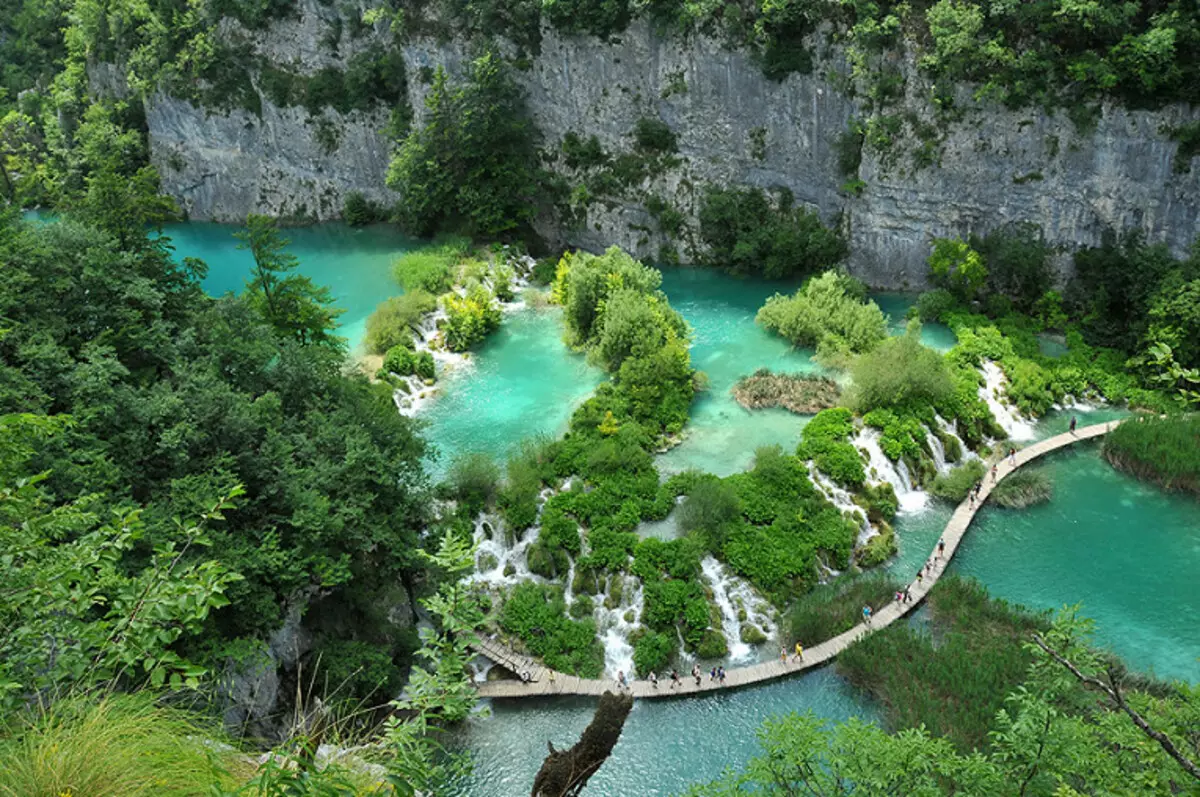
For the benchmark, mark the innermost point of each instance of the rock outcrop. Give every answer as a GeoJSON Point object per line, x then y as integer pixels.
{"type": "Point", "coordinates": [735, 127]}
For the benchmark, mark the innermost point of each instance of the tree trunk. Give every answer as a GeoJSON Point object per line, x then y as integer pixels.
{"type": "Point", "coordinates": [564, 773]}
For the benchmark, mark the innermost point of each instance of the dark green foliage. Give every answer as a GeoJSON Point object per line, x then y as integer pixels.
{"type": "Point", "coordinates": [1018, 263]}
{"type": "Point", "coordinates": [780, 32]}
{"type": "Point", "coordinates": [880, 502]}
{"type": "Point", "coordinates": [176, 397]}
{"type": "Point", "coordinates": [677, 603]}
{"type": "Point", "coordinates": [601, 18]}
{"type": "Point", "coordinates": [955, 687]}
{"type": "Point", "coordinates": [652, 135]}
{"type": "Point", "coordinates": [472, 166]}
{"type": "Point", "coordinates": [955, 485]}
{"type": "Point", "coordinates": [825, 442]}
{"type": "Point", "coordinates": [400, 359]}
{"type": "Point", "coordinates": [849, 150]}
{"type": "Point", "coordinates": [899, 372]}
{"type": "Point", "coordinates": [518, 498]}
{"type": "Point", "coordinates": [350, 671]}
{"type": "Point", "coordinates": [583, 154]}
{"type": "Point", "coordinates": [934, 305]}
{"type": "Point", "coordinates": [1188, 136]}
{"type": "Point", "coordinates": [359, 211]}
{"type": "Point", "coordinates": [711, 508]}
{"type": "Point", "coordinates": [473, 481]}
{"type": "Point", "coordinates": [652, 651]}
{"type": "Point", "coordinates": [537, 615]}
{"type": "Point", "coordinates": [1162, 450]}
{"type": "Point", "coordinates": [748, 234]}
{"type": "Point", "coordinates": [835, 607]}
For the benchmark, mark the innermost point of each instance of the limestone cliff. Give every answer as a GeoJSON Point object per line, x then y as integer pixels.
{"type": "Point", "coordinates": [734, 127]}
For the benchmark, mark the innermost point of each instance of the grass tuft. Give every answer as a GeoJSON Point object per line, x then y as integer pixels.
{"type": "Point", "coordinates": [1024, 488]}
{"type": "Point", "coordinates": [835, 607]}
{"type": "Point", "coordinates": [1162, 450]}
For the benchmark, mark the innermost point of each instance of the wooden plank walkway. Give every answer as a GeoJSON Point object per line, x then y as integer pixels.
{"type": "Point", "coordinates": [544, 682]}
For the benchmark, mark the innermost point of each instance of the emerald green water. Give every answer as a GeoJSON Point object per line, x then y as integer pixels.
{"type": "Point", "coordinates": [1125, 550]}
{"type": "Point", "coordinates": [354, 263]}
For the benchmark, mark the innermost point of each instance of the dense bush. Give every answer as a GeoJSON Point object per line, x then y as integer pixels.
{"type": "Point", "coordinates": [470, 318]}
{"type": "Point", "coordinates": [934, 305]}
{"type": "Point", "coordinates": [537, 615]}
{"type": "Point", "coordinates": [825, 441]}
{"type": "Point", "coordinates": [429, 269]}
{"type": "Point", "coordinates": [747, 233]}
{"type": "Point", "coordinates": [598, 17]}
{"type": "Point", "coordinates": [352, 672]}
{"type": "Point", "coordinates": [473, 164]}
{"type": "Point", "coordinates": [652, 651]}
{"type": "Point", "coordinates": [828, 313]}
{"type": "Point", "coordinates": [359, 211]}
{"type": "Point", "coordinates": [473, 481]}
{"type": "Point", "coordinates": [957, 268]}
{"type": "Point", "coordinates": [899, 372]}
{"type": "Point", "coordinates": [1163, 450]}
{"type": "Point", "coordinates": [394, 319]}
{"type": "Point", "coordinates": [1018, 263]}
{"type": "Point", "coordinates": [955, 485]}
{"type": "Point", "coordinates": [711, 507]}
{"type": "Point", "coordinates": [653, 135]}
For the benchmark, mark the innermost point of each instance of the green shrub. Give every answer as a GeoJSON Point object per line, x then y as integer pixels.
{"type": "Point", "coordinates": [582, 607]}
{"type": "Point", "coordinates": [956, 267]}
{"type": "Point", "coordinates": [473, 480]}
{"type": "Point", "coordinates": [423, 366]}
{"type": "Point", "coordinates": [427, 269]}
{"type": "Point", "coordinates": [653, 135]}
{"type": "Point", "coordinates": [359, 211]}
{"type": "Point", "coordinates": [880, 502]}
{"type": "Point", "coordinates": [1163, 450]}
{"type": "Point", "coordinates": [400, 360]}
{"type": "Point", "coordinates": [1023, 489]}
{"type": "Point", "coordinates": [899, 372]}
{"type": "Point", "coordinates": [829, 313]}
{"type": "Point", "coordinates": [824, 442]}
{"type": "Point", "coordinates": [746, 233]}
{"type": "Point", "coordinates": [394, 319]}
{"type": "Point", "coordinates": [652, 651]}
{"type": "Point", "coordinates": [955, 485]}
{"type": "Point", "coordinates": [536, 614]}
{"type": "Point", "coordinates": [470, 318]}
{"type": "Point", "coordinates": [713, 645]}
{"type": "Point", "coordinates": [835, 607]}
{"type": "Point", "coordinates": [353, 671]}
{"type": "Point", "coordinates": [1018, 263]}
{"type": "Point", "coordinates": [935, 305]}
{"type": "Point", "coordinates": [878, 548]}
{"type": "Point", "coordinates": [601, 18]}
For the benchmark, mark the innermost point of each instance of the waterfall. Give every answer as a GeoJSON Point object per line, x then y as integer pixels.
{"type": "Point", "coordinates": [950, 429]}
{"type": "Point", "coordinates": [992, 392]}
{"type": "Point", "coordinates": [493, 554]}
{"type": "Point", "coordinates": [880, 468]}
{"type": "Point", "coordinates": [614, 629]}
{"type": "Point", "coordinates": [842, 500]}
{"type": "Point", "coordinates": [728, 592]}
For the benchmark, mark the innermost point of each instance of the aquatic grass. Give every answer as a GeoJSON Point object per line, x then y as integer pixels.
{"type": "Point", "coordinates": [954, 679]}
{"type": "Point", "coordinates": [1165, 451]}
{"type": "Point", "coordinates": [1024, 488]}
{"type": "Point", "coordinates": [803, 394]}
{"type": "Point", "coordinates": [835, 607]}
{"type": "Point", "coordinates": [112, 746]}
{"type": "Point", "coordinates": [428, 269]}
{"type": "Point", "coordinates": [955, 485]}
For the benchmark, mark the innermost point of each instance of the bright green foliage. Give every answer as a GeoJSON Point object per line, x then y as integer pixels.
{"type": "Point", "coordinates": [536, 614]}
{"type": "Point", "coordinates": [677, 603]}
{"type": "Point", "coordinates": [74, 615]}
{"type": "Point", "coordinates": [955, 485]}
{"type": "Point", "coordinates": [652, 651]}
{"type": "Point", "coordinates": [958, 268]}
{"type": "Point", "coordinates": [880, 502]}
{"type": "Point", "coordinates": [829, 313]}
{"type": "Point", "coordinates": [112, 746]}
{"type": "Point", "coordinates": [428, 269]}
{"type": "Point", "coordinates": [899, 372]}
{"type": "Point", "coordinates": [472, 166]}
{"type": "Point", "coordinates": [934, 305]}
{"type": "Point", "coordinates": [1163, 450]}
{"type": "Point", "coordinates": [394, 319]}
{"type": "Point", "coordinates": [748, 234]}
{"type": "Point", "coordinates": [290, 303]}
{"type": "Point", "coordinates": [584, 282]}
{"type": "Point", "coordinates": [1174, 317]}
{"type": "Point", "coordinates": [825, 441]}
{"type": "Point", "coordinates": [636, 324]}
{"type": "Point", "coordinates": [518, 497]}
{"type": "Point", "coordinates": [835, 607]}
{"type": "Point", "coordinates": [470, 318]}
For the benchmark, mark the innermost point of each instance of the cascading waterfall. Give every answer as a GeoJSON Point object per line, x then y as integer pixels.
{"type": "Point", "coordinates": [614, 629]}
{"type": "Point", "coordinates": [728, 592]}
{"type": "Point", "coordinates": [880, 468]}
{"type": "Point", "coordinates": [491, 546]}
{"type": "Point", "coordinates": [1008, 417]}
{"type": "Point", "coordinates": [938, 450]}
{"type": "Point", "coordinates": [842, 500]}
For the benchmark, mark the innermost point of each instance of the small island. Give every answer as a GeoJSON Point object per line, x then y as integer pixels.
{"type": "Point", "coordinates": [803, 394]}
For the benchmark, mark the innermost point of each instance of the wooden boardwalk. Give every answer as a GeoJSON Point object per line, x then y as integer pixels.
{"type": "Point", "coordinates": [544, 682]}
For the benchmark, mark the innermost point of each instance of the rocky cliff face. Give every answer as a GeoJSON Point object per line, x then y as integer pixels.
{"type": "Point", "coordinates": [734, 128]}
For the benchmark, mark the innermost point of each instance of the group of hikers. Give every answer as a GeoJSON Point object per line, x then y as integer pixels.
{"type": "Point", "coordinates": [715, 675]}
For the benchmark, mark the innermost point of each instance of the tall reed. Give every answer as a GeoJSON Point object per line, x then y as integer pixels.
{"type": "Point", "coordinates": [1162, 450]}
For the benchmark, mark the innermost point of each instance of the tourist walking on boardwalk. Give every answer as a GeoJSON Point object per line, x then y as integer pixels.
{"type": "Point", "coordinates": [920, 576]}
{"type": "Point", "coordinates": [993, 473]}
{"type": "Point", "coordinates": [712, 674]}
{"type": "Point", "coordinates": [1072, 424]}
{"type": "Point", "coordinates": [621, 679]}
{"type": "Point", "coordinates": [696, 673]}
{"type": "Point", "coordinates": [783, 655]}
{"type": "Point", "coordinates": [799, 651]}
{"type": "Point", "coordinates": [674, 678]}
{"type": "Point", "coordinates": [653, 679]}
{"type": "Point", "coordinates": [721, 675]}
{"type": "Point", "coordinates": [1012, 456]}
{"type": "Point", "coordinates": [907, 597]}
{"type": "Point", "coordinates": [867, 615]}
{"type": "Point", "coordinates": [941, 547]}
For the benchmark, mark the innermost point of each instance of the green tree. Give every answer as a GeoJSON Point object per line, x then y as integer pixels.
{"type": "Point", "coordinates": [472, 165]}
{"type": "Point", "coordinates": [958, 268]}
{"type": "Point", "coordinates": [899, 372]}
{"type": "Point", "coordinates": [291, 303]}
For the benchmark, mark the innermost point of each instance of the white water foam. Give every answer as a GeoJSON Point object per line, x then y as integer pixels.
{"type": "Point", "coordinates": [614, 629]}
{"type": "Point", "coordinates": [882, 469]}
{"type": "Point", "coordinates": [992, 392]}
{"type": "Point", "coordinates": [728, 591]}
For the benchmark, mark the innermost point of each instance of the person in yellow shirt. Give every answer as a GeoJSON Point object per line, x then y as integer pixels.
{"type": "Point", "coordinates": [799, 651]}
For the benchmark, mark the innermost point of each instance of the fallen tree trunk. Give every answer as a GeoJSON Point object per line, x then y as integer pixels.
{"type": "Point", "coordinates": [564, 773]}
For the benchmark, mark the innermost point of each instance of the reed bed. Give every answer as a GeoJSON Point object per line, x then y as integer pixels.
{"type": "Point", "coordinates": [1024, 488]}
{"type": "Point", "coordinates": [835, 607]}
{"type": "Point", "coordinates": [1162, 450]}
{"type": "Point", "coordinates": [802, 394]}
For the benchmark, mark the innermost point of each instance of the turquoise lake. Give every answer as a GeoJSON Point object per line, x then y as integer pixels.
{"type": "Point", "coordinates": [1100, 541]}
